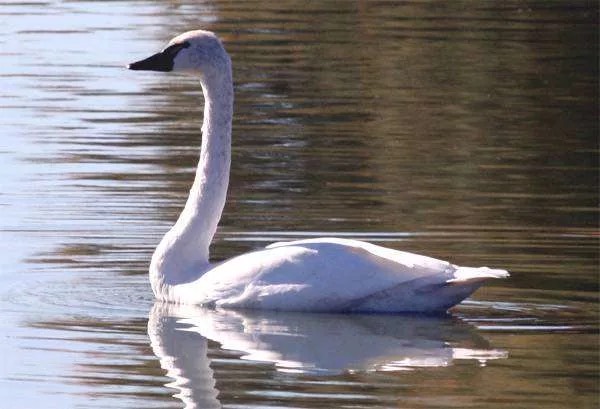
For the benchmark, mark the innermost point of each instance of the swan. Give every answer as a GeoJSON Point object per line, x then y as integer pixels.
{"type": "Point", "coordinates": [317, 275]}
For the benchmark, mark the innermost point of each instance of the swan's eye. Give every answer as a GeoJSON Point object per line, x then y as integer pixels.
{"type": "Point", "coordinates": [175, 48]}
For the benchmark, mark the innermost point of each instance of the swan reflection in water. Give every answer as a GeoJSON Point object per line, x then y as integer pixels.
{"type": "Point", "coordinates": [306, 343]}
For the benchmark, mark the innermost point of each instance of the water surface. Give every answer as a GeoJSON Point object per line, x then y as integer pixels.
{"type": "Point", "coordinates": [465, 131]}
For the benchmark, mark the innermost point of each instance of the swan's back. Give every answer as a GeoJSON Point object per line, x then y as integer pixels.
{"type": "Point", "coordinates": [335, 275]}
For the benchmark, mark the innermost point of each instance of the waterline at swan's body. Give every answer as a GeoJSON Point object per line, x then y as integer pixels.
{"type": "Point", "coordinates": [325, 274]}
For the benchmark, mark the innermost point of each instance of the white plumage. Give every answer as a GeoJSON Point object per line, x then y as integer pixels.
{"type": "Point", "coordinates": [325, 274]}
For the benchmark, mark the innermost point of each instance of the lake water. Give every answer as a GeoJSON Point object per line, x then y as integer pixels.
{"type": "Point", "coordinates": [466, 131]}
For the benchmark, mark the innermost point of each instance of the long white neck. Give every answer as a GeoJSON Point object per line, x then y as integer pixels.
{"type": "Point", "coordinates": [183, 253]}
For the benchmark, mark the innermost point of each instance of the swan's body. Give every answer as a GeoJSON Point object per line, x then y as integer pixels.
{"type": "Point", "coordinates": [325, 274]}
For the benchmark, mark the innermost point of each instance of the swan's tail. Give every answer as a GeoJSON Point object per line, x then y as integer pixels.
{"type": "Point", "coordinates": [429, 294]}
{"type": "Point", "coordinates": [472, 274]}
{"type": "Point", "coordinates": [464, 281]}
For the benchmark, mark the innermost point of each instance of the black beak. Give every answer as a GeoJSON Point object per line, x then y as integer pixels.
{"type": "Point", "coordinates": [158, 62]}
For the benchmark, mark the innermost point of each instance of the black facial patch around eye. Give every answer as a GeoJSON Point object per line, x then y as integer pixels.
{"type": "Point", "coordinates": [173, 49]}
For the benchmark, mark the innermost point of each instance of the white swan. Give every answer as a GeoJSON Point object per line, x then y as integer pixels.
{"type": "Point", "coordinates": [325, 274]}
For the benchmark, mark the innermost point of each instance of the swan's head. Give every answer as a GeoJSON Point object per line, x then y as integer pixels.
{"type": "Point", "coordinates": [193, 51]}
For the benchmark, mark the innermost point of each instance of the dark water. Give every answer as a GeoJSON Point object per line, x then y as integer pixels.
{"type": "Point", "coordinates": [463, 130]}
